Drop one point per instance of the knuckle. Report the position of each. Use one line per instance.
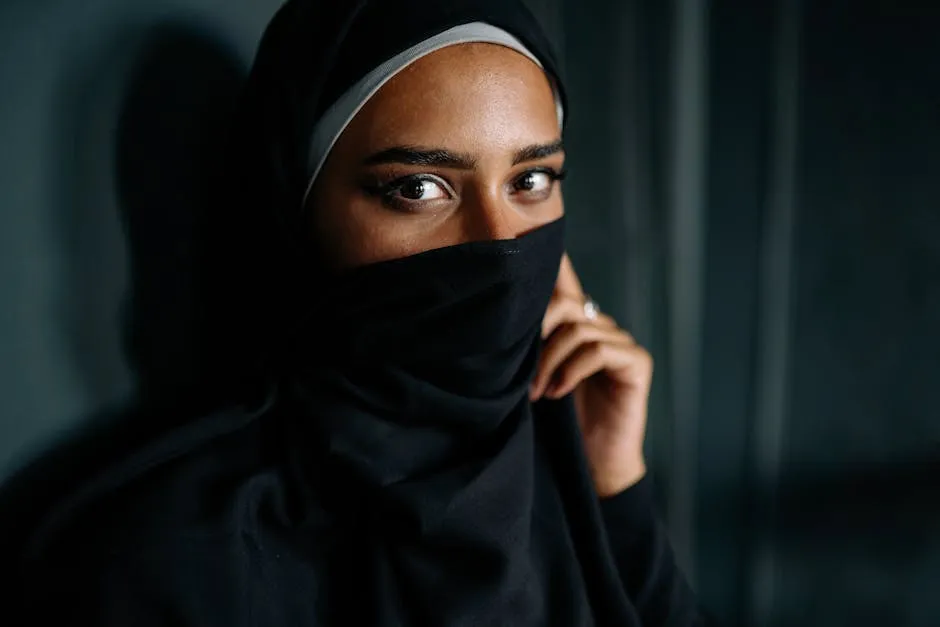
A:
(583, 331)
(597, 350)
(644, 356)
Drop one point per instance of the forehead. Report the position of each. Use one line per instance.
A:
(467, 93)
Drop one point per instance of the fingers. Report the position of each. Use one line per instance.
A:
(563, 309)
(624, 364)
(576, 348)
(565, 341)
(568, 284)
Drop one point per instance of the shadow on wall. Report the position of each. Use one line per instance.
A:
(179, 87)
(170, 170)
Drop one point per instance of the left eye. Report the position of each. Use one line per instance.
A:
(535, 181)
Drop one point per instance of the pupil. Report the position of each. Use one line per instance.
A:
(528, 182)
(413, 190)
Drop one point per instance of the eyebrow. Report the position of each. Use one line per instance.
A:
(413, 155)
(439, 157)
(538, 151)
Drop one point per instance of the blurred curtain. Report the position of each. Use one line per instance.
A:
(754, 195)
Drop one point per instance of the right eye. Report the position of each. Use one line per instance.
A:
(416, 188)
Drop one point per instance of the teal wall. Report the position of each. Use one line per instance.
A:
(68, 70)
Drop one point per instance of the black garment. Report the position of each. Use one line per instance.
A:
(397, 474)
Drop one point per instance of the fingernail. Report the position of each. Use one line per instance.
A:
(532, 392)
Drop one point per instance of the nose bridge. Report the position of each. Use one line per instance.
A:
(489, 216)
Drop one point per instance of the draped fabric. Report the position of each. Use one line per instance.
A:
(418, 413)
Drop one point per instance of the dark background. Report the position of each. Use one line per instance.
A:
(754, 192)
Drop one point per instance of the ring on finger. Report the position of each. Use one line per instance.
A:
(591, 309)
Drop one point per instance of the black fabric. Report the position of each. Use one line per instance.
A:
(423, 433)
(397, 473)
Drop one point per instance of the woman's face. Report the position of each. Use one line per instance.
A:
(462, 145)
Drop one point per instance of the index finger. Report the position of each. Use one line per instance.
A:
(568, 283)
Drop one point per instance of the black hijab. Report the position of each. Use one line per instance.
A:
(411, 376)
(397, 473)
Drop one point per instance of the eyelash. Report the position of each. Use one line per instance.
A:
(554, 175)
(386, 191)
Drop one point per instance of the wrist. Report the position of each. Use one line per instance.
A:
(607, 484)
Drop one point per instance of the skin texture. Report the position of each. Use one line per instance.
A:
(485, 106)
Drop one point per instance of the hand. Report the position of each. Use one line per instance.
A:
(610, 376)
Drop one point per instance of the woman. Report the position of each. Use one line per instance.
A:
(454, 433)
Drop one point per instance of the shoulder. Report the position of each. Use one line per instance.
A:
(161, 506)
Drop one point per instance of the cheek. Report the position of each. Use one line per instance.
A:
(553, 209)
(351, 231)
(542, 213)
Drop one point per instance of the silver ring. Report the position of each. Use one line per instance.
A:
(591, 308)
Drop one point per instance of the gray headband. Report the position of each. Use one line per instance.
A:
(340, 114)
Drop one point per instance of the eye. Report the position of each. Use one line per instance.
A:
(537, 183)
(533, 182)
(417, 188)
